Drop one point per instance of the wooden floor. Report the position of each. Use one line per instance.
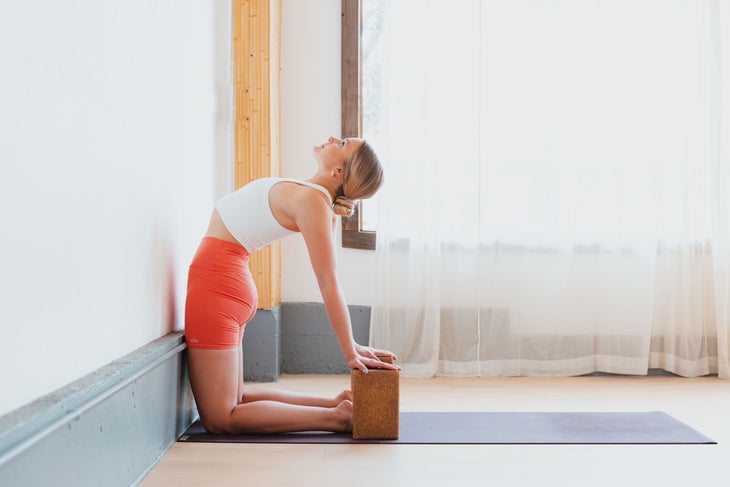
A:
(703, 403)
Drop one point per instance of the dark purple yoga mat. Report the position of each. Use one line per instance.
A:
(500, 428)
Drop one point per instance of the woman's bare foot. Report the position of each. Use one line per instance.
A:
(344, 410)
(342, 396)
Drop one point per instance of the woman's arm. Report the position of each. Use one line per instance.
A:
(315, 222)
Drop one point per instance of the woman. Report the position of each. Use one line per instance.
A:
(222, 296)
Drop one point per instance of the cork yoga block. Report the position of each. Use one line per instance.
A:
(376, 408)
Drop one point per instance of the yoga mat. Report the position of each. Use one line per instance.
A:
(500, 428)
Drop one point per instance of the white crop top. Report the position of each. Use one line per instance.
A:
(246, 213)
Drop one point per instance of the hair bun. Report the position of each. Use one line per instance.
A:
(343, 206)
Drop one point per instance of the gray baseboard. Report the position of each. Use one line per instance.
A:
(108, 428)
(262, 346)
(308, 343)
(112, 426)
(296, 338)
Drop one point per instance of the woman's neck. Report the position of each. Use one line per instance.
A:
(332, 185)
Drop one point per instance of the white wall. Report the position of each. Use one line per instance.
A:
(113, 147)
(114, 144)
(310, 101)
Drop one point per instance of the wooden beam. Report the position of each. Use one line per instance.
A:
(256, 58)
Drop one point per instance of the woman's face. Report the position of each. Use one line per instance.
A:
(335, 152)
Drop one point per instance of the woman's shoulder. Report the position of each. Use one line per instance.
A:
(302, 191)
(303, 183)
(300, 200)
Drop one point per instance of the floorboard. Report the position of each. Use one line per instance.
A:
(703, 403)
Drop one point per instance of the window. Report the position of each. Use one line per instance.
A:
(567, 132)
(359, 90)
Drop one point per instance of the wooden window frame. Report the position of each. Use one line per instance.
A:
(353, 235)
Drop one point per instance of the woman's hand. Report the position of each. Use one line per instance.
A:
(373, 352)
(368, 357)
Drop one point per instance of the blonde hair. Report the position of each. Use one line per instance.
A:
(362, 177)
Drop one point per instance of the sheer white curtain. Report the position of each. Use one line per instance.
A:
(557, 197)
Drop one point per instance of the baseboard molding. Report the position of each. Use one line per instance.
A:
(262, 346)
(308, 343)
(297, 338)
(108, 428)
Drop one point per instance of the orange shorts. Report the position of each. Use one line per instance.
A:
(221, 296)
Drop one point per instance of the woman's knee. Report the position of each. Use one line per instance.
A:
(218, 424)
